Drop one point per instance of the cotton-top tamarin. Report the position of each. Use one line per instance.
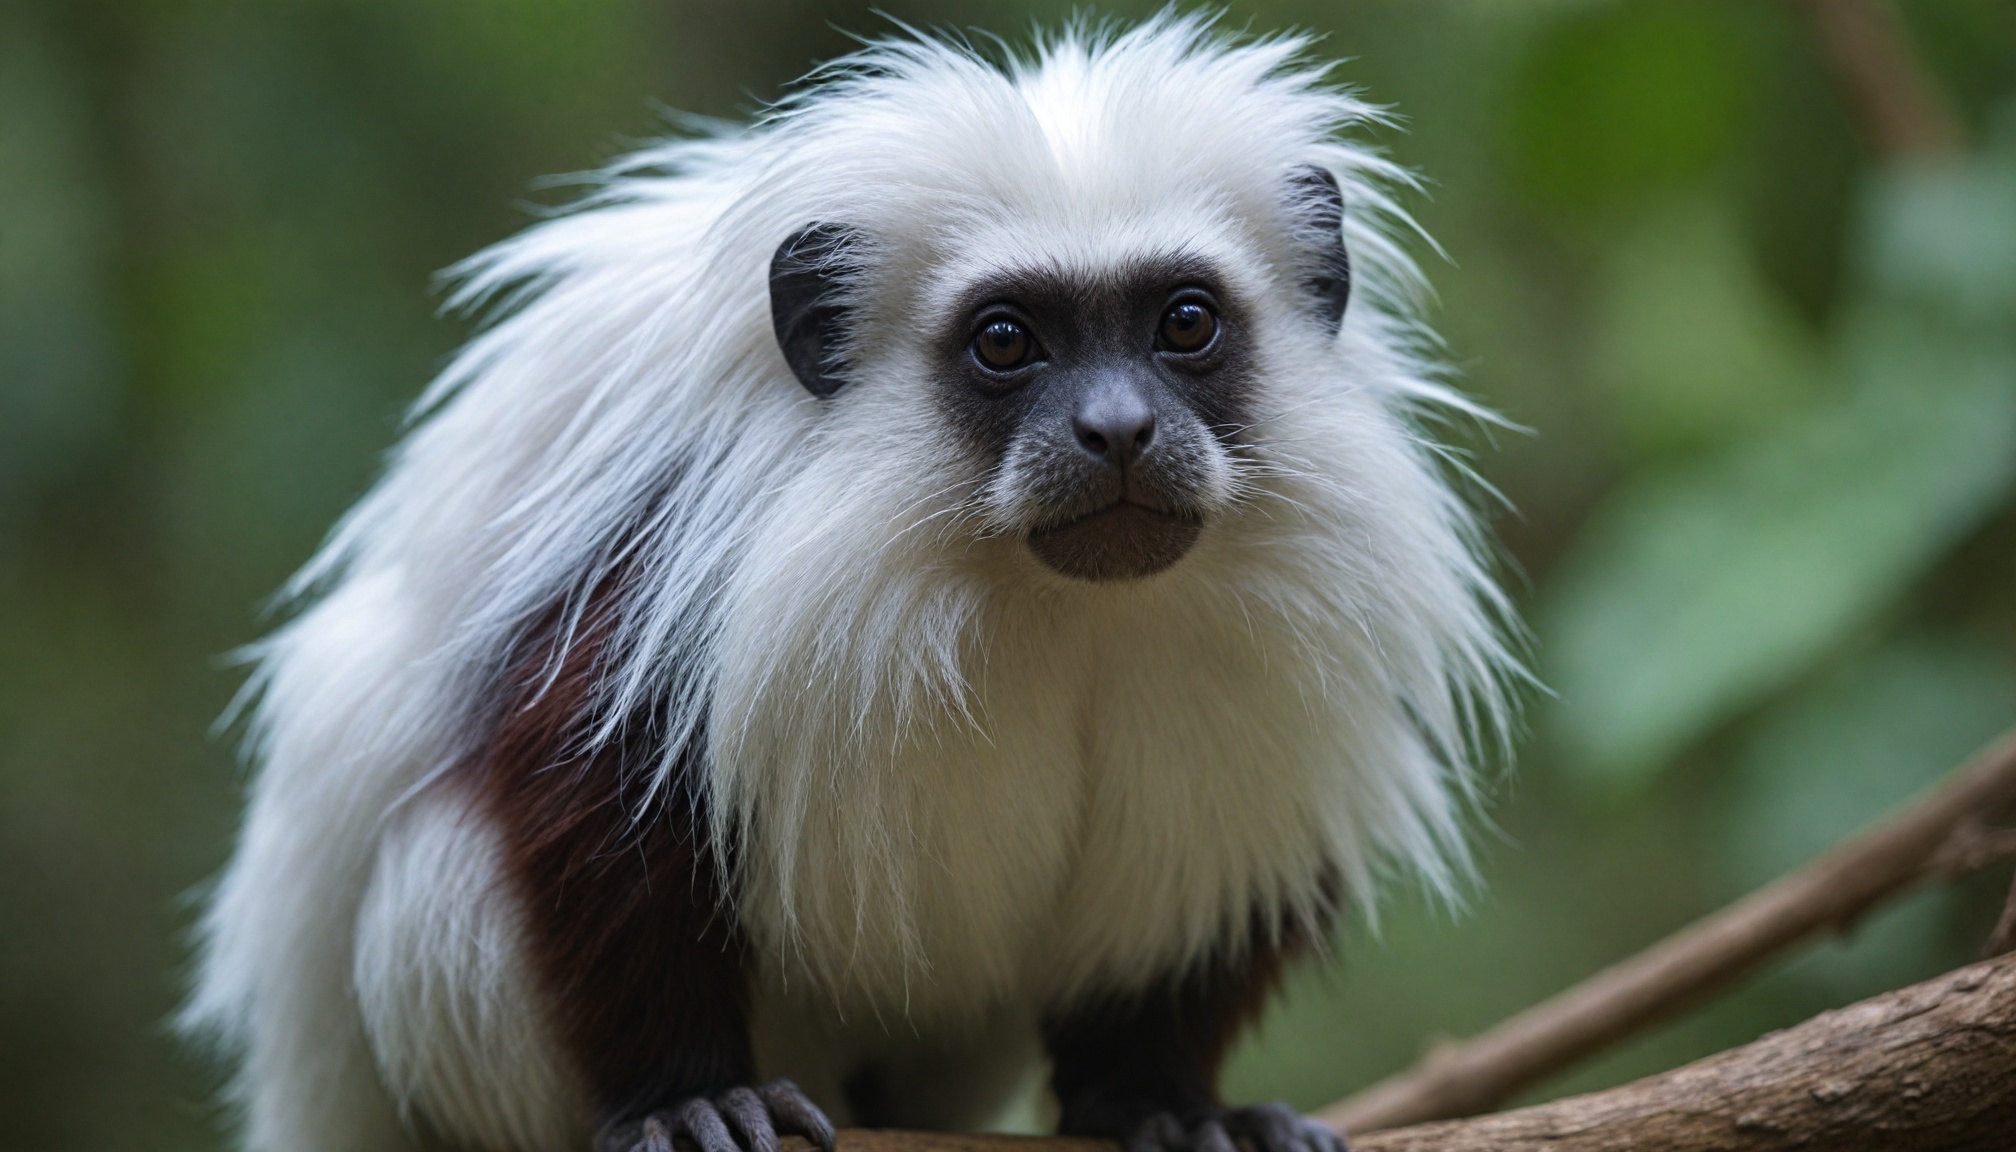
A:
(948, 575)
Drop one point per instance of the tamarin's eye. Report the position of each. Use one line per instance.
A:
(1003, 344)
(1188, 326)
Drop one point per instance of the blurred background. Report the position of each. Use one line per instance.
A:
(1764, 524)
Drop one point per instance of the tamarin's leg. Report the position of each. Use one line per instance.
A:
(627, 921)
(1142, 1067)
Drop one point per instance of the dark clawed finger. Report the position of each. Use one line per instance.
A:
(795, 1113)
(699, 1122)
(750, 1119)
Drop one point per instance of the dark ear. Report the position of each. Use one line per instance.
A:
(806, 279)
(1318, 203)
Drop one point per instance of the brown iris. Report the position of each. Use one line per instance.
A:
(1188, 326)
(1003, 344)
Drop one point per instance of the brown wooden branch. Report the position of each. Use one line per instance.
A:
(1939, 835)
(1930, 1067)
(1901, 108)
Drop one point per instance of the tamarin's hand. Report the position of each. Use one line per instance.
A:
(738, 1120)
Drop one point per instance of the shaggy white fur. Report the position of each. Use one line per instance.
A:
(965, 788)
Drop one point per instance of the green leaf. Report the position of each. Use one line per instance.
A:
(1692, 593)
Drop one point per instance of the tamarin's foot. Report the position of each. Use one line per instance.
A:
(738, 1120)
(1261, 1128)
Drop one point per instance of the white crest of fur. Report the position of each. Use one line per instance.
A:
(957, 780)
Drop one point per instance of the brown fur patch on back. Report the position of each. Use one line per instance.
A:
(630, 936)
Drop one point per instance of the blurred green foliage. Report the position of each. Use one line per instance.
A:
(1765, 524)
(1696, 589)
(1628, 98)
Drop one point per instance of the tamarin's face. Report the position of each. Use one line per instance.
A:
(1101, 407)
(1104, 407)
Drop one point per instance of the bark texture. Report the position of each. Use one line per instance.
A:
(1930, 1067)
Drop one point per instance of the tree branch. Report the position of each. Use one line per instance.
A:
(1941, 835)
(1931, 1067)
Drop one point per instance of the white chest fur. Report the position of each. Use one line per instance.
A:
(1131, 785)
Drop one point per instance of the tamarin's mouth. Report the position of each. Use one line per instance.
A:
(1122, 541)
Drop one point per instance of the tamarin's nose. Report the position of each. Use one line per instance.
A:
(1116, 425)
